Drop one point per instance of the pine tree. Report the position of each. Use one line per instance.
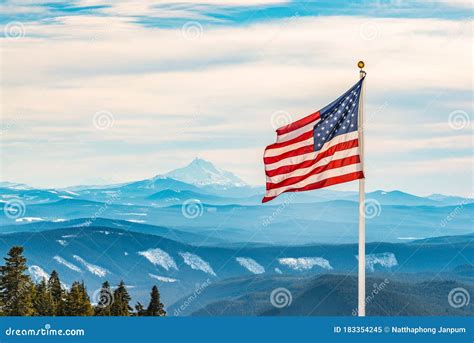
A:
(15, 286)
(86, 306)
(43, 301)
(140, 310)
(156, 307)
(120, 306)
(106, 298)
(2, 313)
(73, 298)
(57, 294)
(33, 295)
(77, 301)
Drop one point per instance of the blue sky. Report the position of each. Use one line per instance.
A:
(235, 12)
(107, 91)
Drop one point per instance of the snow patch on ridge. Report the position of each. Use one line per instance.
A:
(159, 257)
(251, 265)
(197, 263)
(409, 238)
(92, 268)
(305, 263)
(162, 278)
(29, 219)
(68, 264)
(385, 259)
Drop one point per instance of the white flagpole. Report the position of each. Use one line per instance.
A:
(361, 273)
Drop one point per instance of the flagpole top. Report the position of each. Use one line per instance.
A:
(361, 65)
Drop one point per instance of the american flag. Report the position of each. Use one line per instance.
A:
(316, 151)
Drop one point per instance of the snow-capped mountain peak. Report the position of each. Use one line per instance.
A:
(202, 173)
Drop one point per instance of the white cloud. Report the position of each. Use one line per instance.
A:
(129, 8)
(455, 3)
(217, 93)
(231, 2)
(448, 165)
(382, 145)
(273, 58)
(152, 3)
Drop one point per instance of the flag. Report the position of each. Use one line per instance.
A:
(316, 151)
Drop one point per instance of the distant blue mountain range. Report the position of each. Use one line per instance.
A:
(210, 184)
(201, 225)
(230, 211)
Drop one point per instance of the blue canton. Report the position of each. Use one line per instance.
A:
(339, 117)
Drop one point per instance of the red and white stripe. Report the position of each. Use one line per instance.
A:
(292, 165)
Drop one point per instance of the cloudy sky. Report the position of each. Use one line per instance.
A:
(97, 91)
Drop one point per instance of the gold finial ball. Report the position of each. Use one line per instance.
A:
(361, 64)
